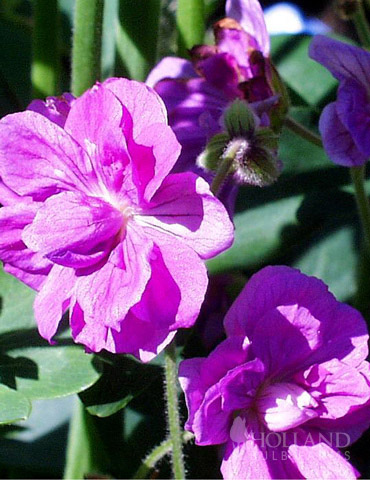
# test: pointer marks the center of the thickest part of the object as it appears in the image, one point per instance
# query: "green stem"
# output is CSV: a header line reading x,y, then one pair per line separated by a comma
x,y
302,131
45,49
361,25
87,39
173,417
363,207
190,24
157,454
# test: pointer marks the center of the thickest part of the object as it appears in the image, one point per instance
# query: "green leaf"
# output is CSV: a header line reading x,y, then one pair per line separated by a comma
x,y
258,234
190,24
16,310
307,78
48,371
122,380
13,406
27,362
325,259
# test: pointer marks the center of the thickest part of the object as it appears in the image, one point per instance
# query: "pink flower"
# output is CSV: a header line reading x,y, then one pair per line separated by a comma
x,y
97,224
289,385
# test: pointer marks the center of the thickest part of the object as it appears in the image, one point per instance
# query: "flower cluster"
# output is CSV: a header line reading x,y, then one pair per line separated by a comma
x,y
94,221
289,385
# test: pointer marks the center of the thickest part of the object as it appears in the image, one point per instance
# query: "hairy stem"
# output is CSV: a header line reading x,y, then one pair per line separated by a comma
x,y
157,454
87,40
173,417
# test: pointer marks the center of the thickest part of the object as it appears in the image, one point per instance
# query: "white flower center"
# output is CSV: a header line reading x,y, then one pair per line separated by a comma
x,y
285,405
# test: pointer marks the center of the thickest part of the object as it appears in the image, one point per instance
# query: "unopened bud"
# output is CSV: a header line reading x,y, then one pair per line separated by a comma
x,y
209,159
239,119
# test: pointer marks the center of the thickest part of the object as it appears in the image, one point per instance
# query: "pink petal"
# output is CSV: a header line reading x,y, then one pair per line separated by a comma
x,y
170,67
316,459
154,152
106,296
53,300
39,158
13,251
144,106
70,223
250,16
95,121
185,209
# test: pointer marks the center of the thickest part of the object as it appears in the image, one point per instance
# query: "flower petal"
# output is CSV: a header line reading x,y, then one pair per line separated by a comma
x,y
106,295
304,309
250,16
39,158
72,223
337,140
354,112
95,121
342,60
53,300
56,109
316,459
144,106
170,67
184,207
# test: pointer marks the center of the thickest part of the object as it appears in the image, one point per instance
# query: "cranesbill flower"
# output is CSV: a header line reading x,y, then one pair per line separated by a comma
x,y
197,92
98,226
289,385
344,124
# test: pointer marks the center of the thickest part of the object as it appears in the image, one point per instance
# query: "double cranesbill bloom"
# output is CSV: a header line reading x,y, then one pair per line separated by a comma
x,y
94,221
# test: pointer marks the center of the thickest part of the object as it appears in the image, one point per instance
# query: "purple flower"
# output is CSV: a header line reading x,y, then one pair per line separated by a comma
x,y
197,92
98,225
288,386
344,124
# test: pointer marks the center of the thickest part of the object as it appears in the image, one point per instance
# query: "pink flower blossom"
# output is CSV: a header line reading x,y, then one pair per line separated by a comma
x,y
289,385
96,224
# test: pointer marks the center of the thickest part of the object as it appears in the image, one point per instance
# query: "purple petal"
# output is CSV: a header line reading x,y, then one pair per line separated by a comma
x,y
303,308
250,16
170,67
337,140
184,208
354,112
72,223
342,60
56,109
53,300
198,374
221,71
39,158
